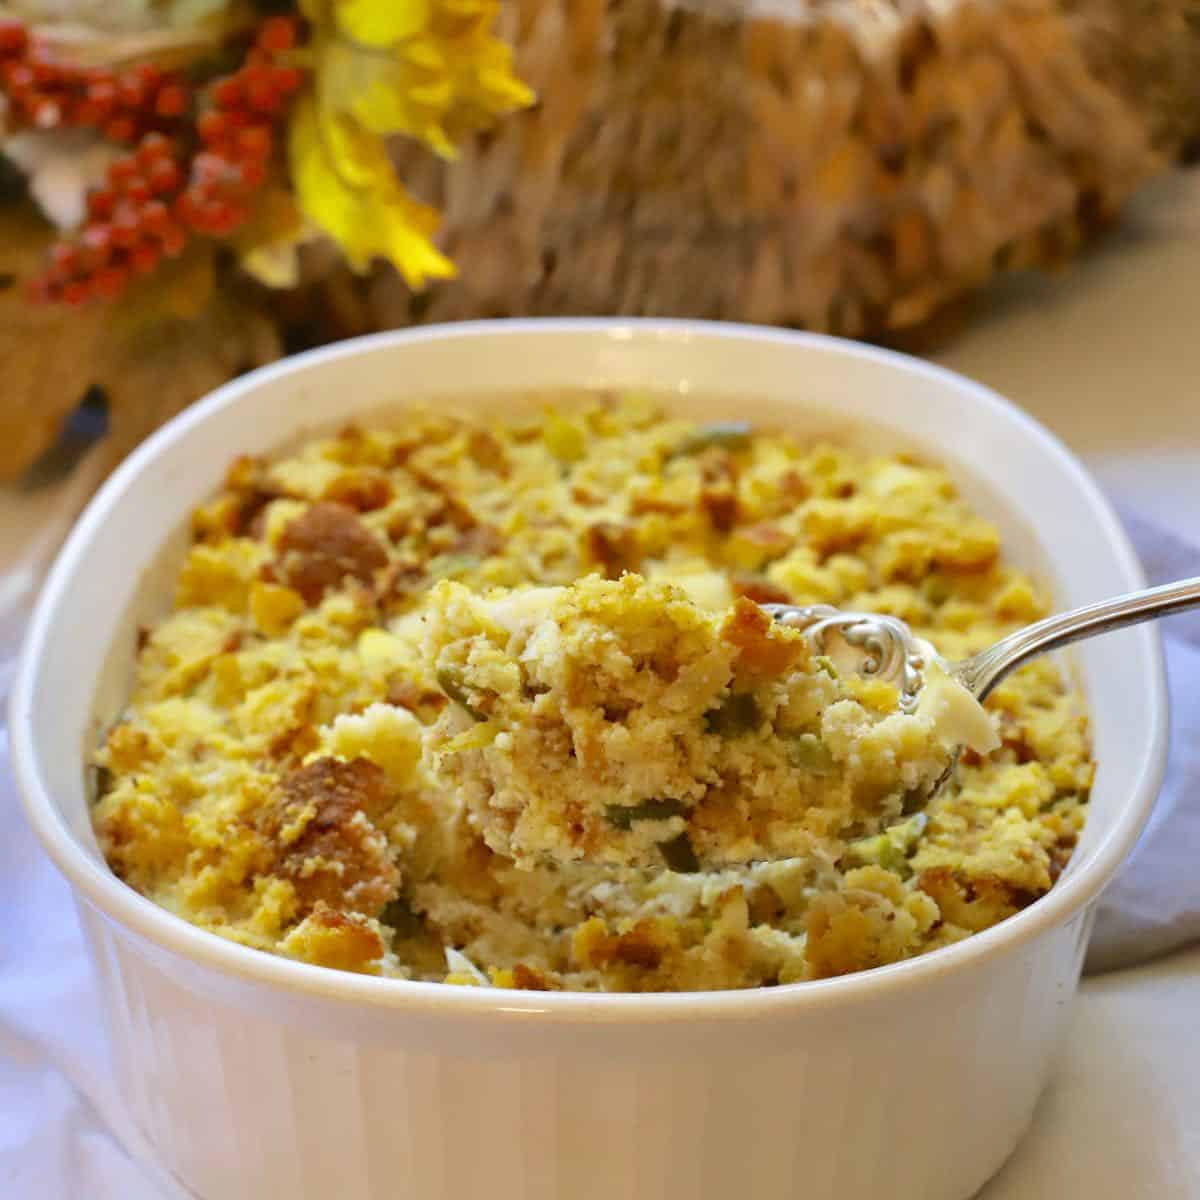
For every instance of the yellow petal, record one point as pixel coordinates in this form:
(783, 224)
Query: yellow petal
(354, 153)
(320, 194)
(423, 54)
(381, 22)
(416, 257)
(437, 94)
(505, 88)
(344, 184)
(376, 89)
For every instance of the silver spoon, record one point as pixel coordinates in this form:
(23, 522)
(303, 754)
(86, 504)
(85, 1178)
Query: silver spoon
(892, 652)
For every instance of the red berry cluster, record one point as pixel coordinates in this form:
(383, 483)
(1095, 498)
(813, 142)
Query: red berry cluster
(168, 189)
(130, 228)
(237, 133)
(45, 93)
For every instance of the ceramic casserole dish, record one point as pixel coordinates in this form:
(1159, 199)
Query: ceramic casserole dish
(257, 1076)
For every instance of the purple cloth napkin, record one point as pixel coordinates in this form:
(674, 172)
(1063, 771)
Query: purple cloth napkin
(1153, 906)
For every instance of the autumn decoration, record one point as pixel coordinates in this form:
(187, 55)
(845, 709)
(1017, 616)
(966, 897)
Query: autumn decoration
(189, 188)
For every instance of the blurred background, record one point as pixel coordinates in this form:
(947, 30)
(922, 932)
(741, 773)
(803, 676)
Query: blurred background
(192, 188)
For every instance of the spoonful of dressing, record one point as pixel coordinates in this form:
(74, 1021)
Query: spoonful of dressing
(619, 722)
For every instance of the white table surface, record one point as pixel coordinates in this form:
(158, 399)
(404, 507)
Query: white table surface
(1109, 358)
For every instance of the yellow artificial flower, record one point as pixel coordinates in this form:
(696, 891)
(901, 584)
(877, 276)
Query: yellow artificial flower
(345, 185)
(427, 69)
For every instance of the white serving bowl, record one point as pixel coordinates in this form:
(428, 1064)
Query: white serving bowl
(255, 1076)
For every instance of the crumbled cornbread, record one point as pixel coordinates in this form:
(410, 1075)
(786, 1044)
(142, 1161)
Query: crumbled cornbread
(280, 773)
(617, 721)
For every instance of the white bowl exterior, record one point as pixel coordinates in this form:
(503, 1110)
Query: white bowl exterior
(252, 1075)
(917, 1100)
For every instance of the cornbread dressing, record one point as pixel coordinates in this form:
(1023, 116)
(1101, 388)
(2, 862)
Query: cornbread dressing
(308, 763)
(619, 722)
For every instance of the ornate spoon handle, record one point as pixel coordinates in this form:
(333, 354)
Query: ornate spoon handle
(890, 651)
(980, 673)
